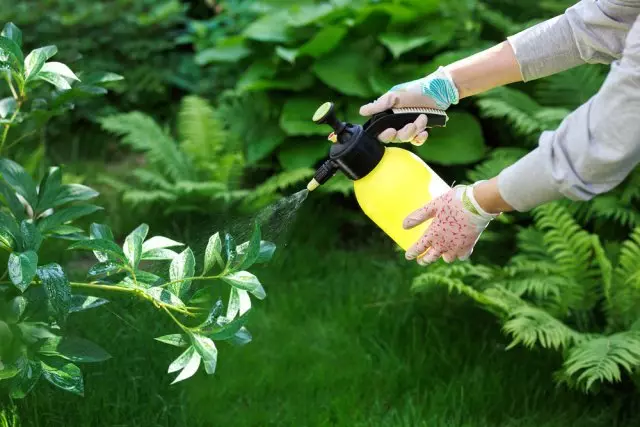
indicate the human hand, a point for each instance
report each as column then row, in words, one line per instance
column 458, row 222
column 436, row 90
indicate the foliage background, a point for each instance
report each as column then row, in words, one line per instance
column 212, row 123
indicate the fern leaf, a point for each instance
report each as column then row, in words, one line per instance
column 152, row 179
column 602, row 359
column 143, row 134
column 530, row 325
column 571, row 88
column 189, row 188
column 624, row 301
column 139, row 198
column 497, row 160
column 116, row 184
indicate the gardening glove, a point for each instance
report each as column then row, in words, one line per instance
column 437, row 90
column 458, row 221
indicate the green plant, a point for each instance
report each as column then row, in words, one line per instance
column 38, row 297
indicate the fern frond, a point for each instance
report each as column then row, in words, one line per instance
column 116, row 184
column 142, row 133
column 152, row 179
column 269, row 190
column 530, row 325
column 571, row 88
column 190, row 188
column 198, row 124
column 602, row 359
column 498, row 159
column 624, row 301
column 140, row 198
column 630, row 189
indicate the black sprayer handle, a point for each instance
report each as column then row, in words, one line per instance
column 400, row 117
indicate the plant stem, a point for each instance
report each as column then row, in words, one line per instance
column 184, row 328
column 5, row 131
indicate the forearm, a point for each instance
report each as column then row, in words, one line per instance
column 489, row 198
column 491, row 68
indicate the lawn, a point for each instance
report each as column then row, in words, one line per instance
column 340, row 341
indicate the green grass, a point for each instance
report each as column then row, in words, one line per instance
column 339, row 341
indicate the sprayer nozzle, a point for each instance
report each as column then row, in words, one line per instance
column 312, row 185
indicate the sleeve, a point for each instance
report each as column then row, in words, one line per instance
column 592, row 151
column 592, row 31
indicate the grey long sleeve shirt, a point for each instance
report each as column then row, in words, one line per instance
column 597, row 145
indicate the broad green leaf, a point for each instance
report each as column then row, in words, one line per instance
column 288, row 55
column 32, row 332
column 7, row 107
column 31, row 237
column 296, row 117
column 60, row 69
column 252, row 249
column 159, row 255
column 230, row 51
column 190, row 368
column 74, row 193
column 207, row 351
column 101, row 246
column 268, row 28
column 65, row 215
column 104, row 268
column 82, row 302
column 346, row 72
column 55, row 79
column 164, row 296
column 242, row 337
column 22, row 268
column 183, row 266
column 12, row 32
column 267, row 249
column 176, row 340
column 239, row 303
column 12, row 51
column 7, row 371
column 300, row 153
column 20, row 180
column 460, row 143
column 182, row 360
column 64, row 375
column 159, row 242
column 35, row 60
column 323, row 41
column 27, row 377
column 57, row 289
column 296, row 83
column 265, row 143
column 49, row 189
column 399, row 43
column 213, row 253
column 16, row 309
column 9, row 224
column 74, row 349
column 10, row 199
column 301, row 15
column 246, row 281
column 102, row 231
column 133, row 245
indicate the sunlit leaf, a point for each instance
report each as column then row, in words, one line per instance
column 63, row 374
column 101, row 246
column 190, row 368
column 176, row 340
column 246, row 281
column 35, row 60
column 182, row 267
column 81, row 303
column 19, row 179
column 57, row 289
column 212, row 254
column 31, row 237
column 27, row 377
column 206, row 348
column 22, row 268
column 49, row 189
column 60, row 69
column 159, row 242
column 164, row 296
column 74, row 349
column 74, row 193
column 12, row 32
column 133, row 245
column 66, row 215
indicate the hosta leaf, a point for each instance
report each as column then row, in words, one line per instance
column 66, row 215
column 183, row 266
column 20, row 180
column 12, row 32
column 212, row 254
column 190, row 368
column 81, row 303
column 246, row 281
column 74, row 193
column 35, row 60
column 29, row 373
column 268, row 28
column 323, row 41
column 101, row 246
column 159, row 255
column 64, row 375
column 346, row 72
column 296, row 117
column 49, row 189
column 159, row 242
column 74, row 349
column 207, row 351
column 164, row 296
column 22, row 268
column 239, row 303
column 252, row 249
column 31, row 237
column 55, row 79
column 176, row 340
column 133, row 245
column 60, row 69
column 57, row 288
column 399, row 43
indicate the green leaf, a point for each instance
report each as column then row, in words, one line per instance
column 164, row 296
column 159, row 242
column 104, row 268
column 296, row 117
column 230, row 51
column 133, row 245
column 460, row 143
column 11, row 49
column 11, row 201
column 19, row 180
column 82, row 303
column 64, row 375
column 251, row 250
column 64, row 230
column 7, row 107
column 346, row 71
column 74, row 349
column 301, row 15
column 399, row 43
column 207, row 351
column 225, row 331
column 9, row 224
column 159, row 255
column 189, row 362
column 16, row 309
column 212, row 254
column 323, row 41
column 12, row 32
column 74, row 193
column 302, row 154
column 103, row 232
column 36, row 59
column 7, row 372
column 228, row 251
column 49, row 189
column 57, row 289
column 101, row 246
column 60, row 69
column 246, row 281
column 242, row 337
column 29, row 373
column 259, row 148
column 267, row 249
column 268, row 28
column 149, row 279
column 22, row 268
column 55, row 79
column 65, row 215
column 31, row 237
column 288, row 55
column 181, row 267
column 176, row 340
column 239, row 303
column 99, row 78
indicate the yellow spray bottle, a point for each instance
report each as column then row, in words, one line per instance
column 389, row 182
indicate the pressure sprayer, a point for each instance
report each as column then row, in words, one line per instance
column 389, row 182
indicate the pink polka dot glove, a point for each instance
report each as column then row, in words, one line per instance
column 458, row 222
